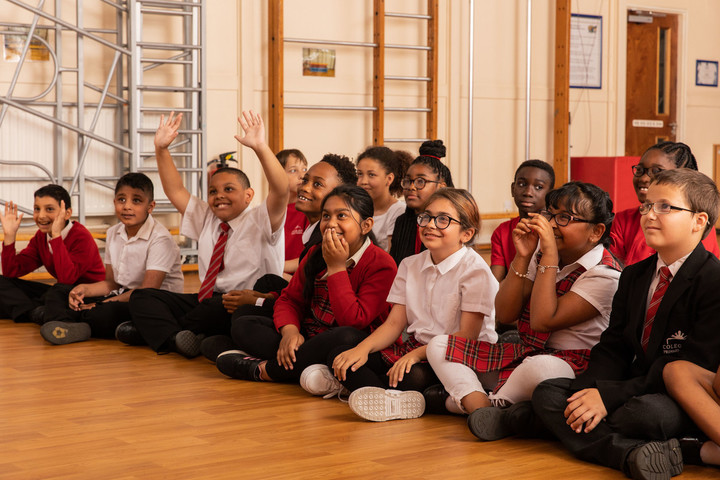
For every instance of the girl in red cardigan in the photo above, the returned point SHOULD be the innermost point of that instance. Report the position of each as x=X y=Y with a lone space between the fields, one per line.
x=342 y=301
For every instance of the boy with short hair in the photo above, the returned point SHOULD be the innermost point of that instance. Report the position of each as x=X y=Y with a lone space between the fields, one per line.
x=295 y=165
x=236 y=244
x=139 y=253
x=618 y=413
x=64 y=247
x=533 y=180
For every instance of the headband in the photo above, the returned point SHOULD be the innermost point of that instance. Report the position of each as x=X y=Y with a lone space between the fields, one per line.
x=431 y=156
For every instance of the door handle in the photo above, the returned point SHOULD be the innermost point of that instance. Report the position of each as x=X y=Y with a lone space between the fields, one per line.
x=673 y=127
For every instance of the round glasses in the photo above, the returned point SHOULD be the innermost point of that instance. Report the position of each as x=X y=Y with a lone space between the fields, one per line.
x=441 y=221
x=418 y=182
x=639 y=171
x=562 y=219
x=661 y=208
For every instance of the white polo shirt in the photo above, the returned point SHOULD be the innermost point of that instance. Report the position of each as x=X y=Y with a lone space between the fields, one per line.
x=252 y=248
x=435 y=295
x=152 y=248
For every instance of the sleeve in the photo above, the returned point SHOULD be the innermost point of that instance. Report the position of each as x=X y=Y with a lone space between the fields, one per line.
x=194 y=218
x=597 y=286
x=163 y=253
x=262 y=219
x=291 y=305
x=359 y=309
x=478 y=288
x=74 y=255
x=398 y=293
x=497 y=254
x=18 y=264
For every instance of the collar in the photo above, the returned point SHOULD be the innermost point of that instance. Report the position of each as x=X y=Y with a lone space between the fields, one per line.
x=674 y=267
x=308 y=232
x=447 y=264
x=588 y=261
x=64 y=232
x=143 y=233
x=235 y=222
x=352 y=261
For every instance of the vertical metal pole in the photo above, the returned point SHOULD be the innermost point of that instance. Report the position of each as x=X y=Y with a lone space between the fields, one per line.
x=80 y=111
x=527 y=79
x=120 y=124
x=203 y=102
x=57 y=131
x=134 y=72
x=471 y=72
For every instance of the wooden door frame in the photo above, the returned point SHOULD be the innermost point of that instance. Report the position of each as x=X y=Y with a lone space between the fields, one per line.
x=621 y=64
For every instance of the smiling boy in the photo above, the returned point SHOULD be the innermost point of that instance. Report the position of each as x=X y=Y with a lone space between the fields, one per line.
x=65 y=248
x=618 y=413
x=139 y=253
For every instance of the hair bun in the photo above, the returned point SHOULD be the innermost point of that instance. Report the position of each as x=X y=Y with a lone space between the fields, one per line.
x=433 y=148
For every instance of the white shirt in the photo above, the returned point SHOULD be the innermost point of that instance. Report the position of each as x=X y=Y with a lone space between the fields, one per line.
x=309 y=231
x=252 y=248
x=385 y=223
x=152 y=248
x=673 y=267
x=596 y=286
x=63 y=234
x=435 y=295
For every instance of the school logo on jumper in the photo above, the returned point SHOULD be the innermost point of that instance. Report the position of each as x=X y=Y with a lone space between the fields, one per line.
x=674 y=343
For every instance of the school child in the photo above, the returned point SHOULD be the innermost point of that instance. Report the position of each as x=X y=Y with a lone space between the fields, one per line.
x=533 y=179
x=337 y=296
x=295 y=165
x=236 y=244
x=666 y=308
x=446 y=289
x=64 y=247
x=424 y=177
x=380 y=172
x=560 y=291
x=628 y=242
x=139 y=253
x=697 y=390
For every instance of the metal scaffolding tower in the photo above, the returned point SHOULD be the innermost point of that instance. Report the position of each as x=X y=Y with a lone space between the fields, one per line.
x=147 y=72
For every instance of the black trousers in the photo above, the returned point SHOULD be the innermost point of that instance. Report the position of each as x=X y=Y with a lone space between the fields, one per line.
x=103 y=318
x=374 y=373
x=642 y=419
x=257 y=336
x=160 y=314
x=18 y=297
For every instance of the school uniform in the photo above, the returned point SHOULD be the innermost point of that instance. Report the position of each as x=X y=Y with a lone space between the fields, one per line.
x=628 y=240
x=628 y=377
x=405 y=237
x=295 y=224
x=434 y=296
x=71 y=258
x=252 y=250
x=465 y=366
x=345 y=307
x=502 y=248
x=384 y=224
x=151 y=248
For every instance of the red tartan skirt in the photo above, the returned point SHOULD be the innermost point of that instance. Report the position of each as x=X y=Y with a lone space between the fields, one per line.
x=505 y=357
x=394 y=352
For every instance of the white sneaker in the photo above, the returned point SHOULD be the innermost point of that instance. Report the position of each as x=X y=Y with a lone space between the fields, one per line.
x=380 y=405
x=318 y=380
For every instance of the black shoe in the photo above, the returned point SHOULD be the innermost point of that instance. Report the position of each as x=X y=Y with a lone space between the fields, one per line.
x=213 y=346
x=435 y=396
x=62 y=333
x=655 y=461
x=128 y=334
x=493 y=423
x=187 y=343
x=690 y=448
x=238 y=364
x=37 y=315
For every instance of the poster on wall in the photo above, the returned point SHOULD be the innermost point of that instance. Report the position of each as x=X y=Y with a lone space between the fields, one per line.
x=318 y=62
x=706 y=73
x=585 y=51
x=13 y=44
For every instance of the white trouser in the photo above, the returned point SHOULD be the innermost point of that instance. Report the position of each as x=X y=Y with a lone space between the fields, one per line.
x=460 y=380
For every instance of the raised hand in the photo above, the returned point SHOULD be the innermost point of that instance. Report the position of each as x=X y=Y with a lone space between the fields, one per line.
x=168 y=130
x=10 y=221
x=59 y=222
x=253 y=129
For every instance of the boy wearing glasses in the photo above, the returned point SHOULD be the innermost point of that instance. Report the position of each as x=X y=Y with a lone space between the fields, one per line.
x=618 y=413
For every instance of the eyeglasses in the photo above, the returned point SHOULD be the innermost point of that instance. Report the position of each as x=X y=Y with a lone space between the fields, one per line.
x=418 y=182
x=661 y=208
x=441 y=221
x=562 y=219
x=639 y=171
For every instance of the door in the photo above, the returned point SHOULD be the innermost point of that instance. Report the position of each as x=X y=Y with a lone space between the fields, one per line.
x=651 y=88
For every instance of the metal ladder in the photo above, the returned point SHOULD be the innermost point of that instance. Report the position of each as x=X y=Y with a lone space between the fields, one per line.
x=378 y=109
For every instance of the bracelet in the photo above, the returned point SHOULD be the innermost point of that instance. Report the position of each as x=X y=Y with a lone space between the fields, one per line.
x=521 y=275
x=542 y=268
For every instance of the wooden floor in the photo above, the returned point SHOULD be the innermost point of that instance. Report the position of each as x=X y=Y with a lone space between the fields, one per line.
x=102 y=410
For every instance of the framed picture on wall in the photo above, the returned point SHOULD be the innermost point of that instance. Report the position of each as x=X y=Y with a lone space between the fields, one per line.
x=585 y=51
x=706 y=73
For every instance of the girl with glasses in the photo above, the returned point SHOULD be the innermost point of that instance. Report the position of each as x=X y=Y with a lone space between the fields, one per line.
x=559 y=291
x=447 y=289
x=424 y=177
x=628 y=242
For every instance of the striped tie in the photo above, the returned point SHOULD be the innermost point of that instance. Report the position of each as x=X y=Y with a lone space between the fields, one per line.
x=660 y=290
x=216 y=264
